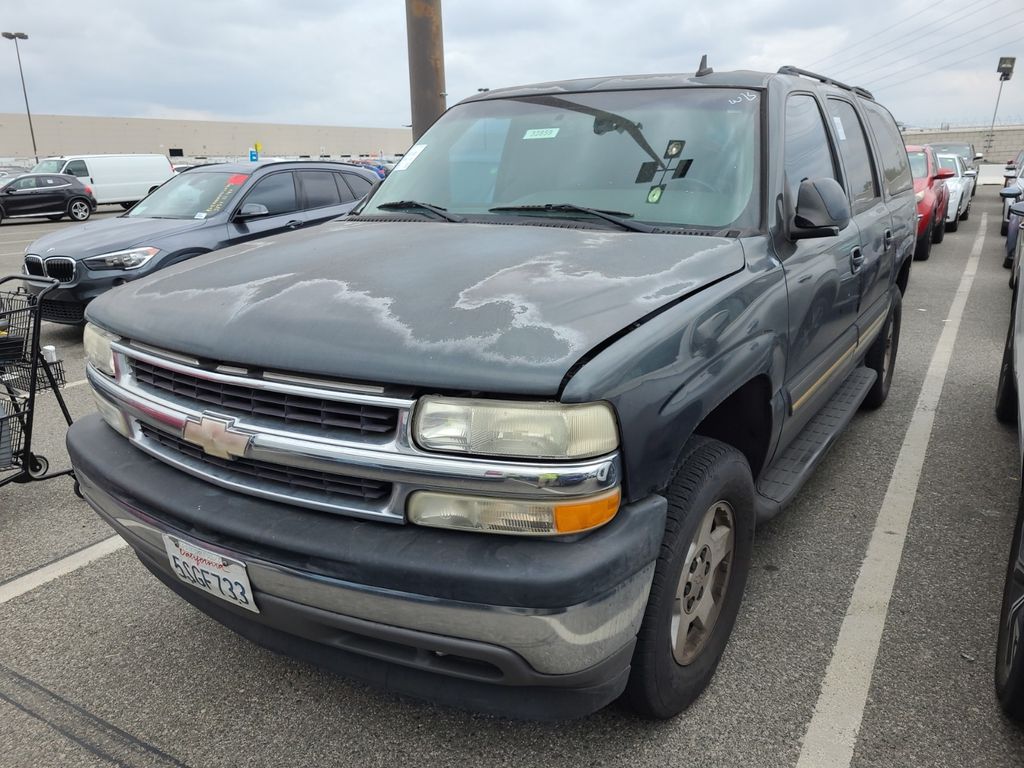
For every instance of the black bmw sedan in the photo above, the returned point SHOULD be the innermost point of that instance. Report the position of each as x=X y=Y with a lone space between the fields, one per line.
x=49 y=195
x=192 y=213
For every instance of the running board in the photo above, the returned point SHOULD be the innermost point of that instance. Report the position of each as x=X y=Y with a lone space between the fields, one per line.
x=780 y=482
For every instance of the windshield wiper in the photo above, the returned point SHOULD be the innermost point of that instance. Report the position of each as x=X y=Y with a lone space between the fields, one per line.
x=615 y=217
x=434 y=209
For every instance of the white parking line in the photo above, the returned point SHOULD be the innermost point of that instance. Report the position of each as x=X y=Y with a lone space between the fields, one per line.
x=832 y=733
x=73 y=384
x=65 y=565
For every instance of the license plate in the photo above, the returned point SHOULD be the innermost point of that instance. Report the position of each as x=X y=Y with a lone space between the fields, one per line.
x=211 y=572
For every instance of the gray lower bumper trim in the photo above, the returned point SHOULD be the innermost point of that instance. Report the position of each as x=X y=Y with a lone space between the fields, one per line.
x=551 y=641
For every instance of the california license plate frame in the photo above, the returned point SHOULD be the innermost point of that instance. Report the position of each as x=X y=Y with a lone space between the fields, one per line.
x=211 y=572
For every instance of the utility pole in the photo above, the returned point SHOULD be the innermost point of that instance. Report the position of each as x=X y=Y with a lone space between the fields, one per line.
x=426 y=63
x=16 y=36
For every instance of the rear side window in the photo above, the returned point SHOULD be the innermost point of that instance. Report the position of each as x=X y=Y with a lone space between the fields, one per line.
x=807 y=154
x=319 y=188
x=892 y=152
x=360 y=186
x=853 y=148
x=277 y=192
x=77 y=168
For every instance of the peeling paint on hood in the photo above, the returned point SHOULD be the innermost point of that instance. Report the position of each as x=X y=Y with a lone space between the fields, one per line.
x=479 y=307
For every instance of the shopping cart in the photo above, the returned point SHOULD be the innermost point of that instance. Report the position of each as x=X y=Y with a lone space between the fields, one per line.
x=25 y=371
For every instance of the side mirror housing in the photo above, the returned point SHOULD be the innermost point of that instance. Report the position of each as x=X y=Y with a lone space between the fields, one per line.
x=1012 y=192
x=822 y=210
x=252 y=211
x=1017 y=209
x=972 y=173
x=945 y=173
x=979 y=156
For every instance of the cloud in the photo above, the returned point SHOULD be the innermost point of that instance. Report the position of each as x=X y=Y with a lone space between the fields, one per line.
x=344 y=63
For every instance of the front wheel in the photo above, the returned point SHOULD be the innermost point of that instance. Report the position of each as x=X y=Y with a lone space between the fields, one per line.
x=1009 y=672
x=939 y=232
x=881 y=357
x=698 y=579
x=967 y=211
x=1006 y=389
x=923 y=247
x=79 y=210
x=1004 y=228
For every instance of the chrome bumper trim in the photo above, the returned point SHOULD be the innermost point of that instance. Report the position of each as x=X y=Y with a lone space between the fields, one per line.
x=552 y=641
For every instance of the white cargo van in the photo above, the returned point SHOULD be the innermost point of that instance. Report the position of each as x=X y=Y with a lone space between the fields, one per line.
x=124 y=179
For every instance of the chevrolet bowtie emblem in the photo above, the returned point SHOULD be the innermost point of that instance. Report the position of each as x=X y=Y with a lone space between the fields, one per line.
x=217 y=437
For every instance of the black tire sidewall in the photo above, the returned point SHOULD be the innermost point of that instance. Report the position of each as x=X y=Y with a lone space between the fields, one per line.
x=709 y=471
x=1006 y=389
x=923 y=246
x=1010 y=690
x=875 y=357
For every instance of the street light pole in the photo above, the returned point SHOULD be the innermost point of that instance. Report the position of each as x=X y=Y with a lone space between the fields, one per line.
x=1005 y=70
x=16 y=36
x=426 y=63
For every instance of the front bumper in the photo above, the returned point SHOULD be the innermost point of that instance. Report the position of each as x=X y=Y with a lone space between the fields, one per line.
x=467 y=619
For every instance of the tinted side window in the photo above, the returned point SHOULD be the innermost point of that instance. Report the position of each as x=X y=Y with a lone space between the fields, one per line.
x=892 y=152
x=343 y=187
x=276 y=191
x=360 y=186
x=28 y=182
x=853 y=148
x=77 y=168
x=808 y=155
x=319 y=188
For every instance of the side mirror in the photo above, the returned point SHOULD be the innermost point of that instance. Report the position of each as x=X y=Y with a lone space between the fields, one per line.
x=973 y=174
x=822 y=209
x=979 y=156
x=1017 y=209
x=251 y=211
x=1010 y=165
x=1012 y=192
x=945 y=173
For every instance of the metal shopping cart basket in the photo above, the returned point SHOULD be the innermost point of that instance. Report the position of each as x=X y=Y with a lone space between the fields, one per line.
x=25 y=372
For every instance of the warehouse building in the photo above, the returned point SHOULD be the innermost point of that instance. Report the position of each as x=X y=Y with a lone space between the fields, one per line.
x=189 y=139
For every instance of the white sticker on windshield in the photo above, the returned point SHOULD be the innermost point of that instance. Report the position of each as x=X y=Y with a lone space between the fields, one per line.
x=839 y=127
x=200 y=215
x=541 y=133
x=411 y=155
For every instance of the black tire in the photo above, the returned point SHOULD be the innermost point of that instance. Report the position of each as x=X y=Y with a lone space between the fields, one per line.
x=939 y=232
x=953 y=226
x=1006 y=389
x=79 y=209
x=881 y=357
x=55 y=218
x=1009 y=671
x=709 y=474
x=967 y=211
x=1004 y=228
x=923 y=247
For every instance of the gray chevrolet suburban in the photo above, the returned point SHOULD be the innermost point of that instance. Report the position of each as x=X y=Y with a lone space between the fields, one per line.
x=501 y=437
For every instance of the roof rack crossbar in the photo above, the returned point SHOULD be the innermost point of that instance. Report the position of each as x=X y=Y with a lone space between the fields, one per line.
x=790 y=70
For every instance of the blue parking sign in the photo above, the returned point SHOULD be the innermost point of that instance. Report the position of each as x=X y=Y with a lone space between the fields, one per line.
x=253 y=155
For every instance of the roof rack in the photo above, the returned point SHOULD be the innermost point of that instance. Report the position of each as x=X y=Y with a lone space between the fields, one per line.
x=789 y=70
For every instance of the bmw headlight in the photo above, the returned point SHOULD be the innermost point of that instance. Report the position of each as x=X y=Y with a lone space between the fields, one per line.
x=131 y=258
x=515 y=429
x=97 y=348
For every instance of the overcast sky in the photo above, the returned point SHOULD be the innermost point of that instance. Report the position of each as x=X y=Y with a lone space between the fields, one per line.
x=343 y=62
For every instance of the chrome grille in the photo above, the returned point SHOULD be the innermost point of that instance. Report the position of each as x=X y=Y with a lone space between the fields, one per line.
x=329 y=416
x=34 y=266
x=331 y=486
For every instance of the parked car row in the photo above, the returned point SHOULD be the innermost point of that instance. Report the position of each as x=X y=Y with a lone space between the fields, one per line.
x=944 y=184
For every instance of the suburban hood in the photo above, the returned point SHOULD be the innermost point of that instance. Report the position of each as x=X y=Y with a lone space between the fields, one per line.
x=104 y=235
x=454 y=306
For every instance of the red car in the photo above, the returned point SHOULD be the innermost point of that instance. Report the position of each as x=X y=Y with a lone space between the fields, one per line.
x=932 y=198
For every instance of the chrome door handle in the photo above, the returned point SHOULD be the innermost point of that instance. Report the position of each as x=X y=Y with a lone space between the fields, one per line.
x=856 y=259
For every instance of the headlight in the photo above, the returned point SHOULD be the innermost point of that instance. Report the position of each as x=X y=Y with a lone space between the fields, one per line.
x=919 y=196
x=97 y=348
x=132 y=258
x=515 y=516
x=511 y=428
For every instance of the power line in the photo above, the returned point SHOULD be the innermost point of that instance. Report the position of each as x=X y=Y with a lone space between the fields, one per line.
x=890 y=64
x=945 y=66
x=902 y=43
x=874 y=35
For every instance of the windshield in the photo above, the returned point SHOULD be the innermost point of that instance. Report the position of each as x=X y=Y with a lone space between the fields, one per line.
x=48 y=166
x=192 y=195
x=918 y=165
x=948 y=161
x=684 y=157
x=964 y=150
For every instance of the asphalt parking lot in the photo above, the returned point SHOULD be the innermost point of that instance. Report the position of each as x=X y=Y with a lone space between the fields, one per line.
x=106 y=666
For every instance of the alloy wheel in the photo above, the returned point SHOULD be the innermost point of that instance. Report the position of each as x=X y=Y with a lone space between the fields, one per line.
x=79 y=210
